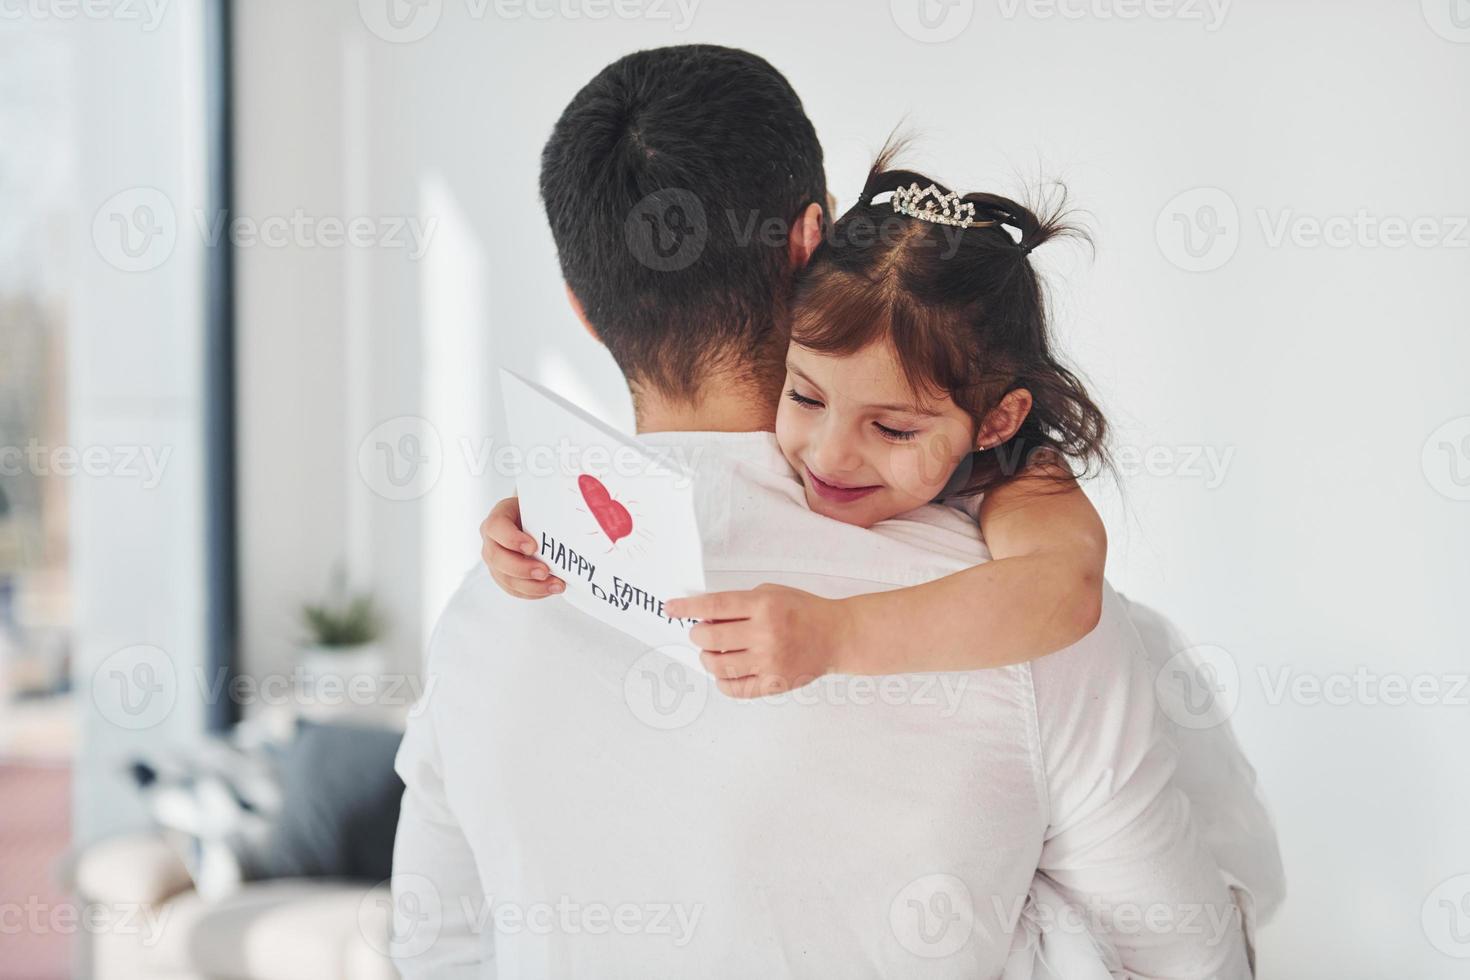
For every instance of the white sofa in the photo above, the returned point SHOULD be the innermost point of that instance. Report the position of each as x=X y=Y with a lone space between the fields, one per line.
x=289 y=929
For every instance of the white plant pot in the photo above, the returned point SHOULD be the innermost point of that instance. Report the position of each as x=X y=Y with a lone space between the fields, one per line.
x=342 y=678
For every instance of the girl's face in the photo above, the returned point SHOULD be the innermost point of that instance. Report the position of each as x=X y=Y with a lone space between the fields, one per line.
x=864 y=447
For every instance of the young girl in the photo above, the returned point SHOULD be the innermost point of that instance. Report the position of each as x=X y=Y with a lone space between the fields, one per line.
x=919 y=369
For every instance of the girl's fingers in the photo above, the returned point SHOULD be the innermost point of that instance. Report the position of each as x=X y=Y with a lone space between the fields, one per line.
x=720 y=637
x=528 y=589
x=512 y=565
x=711 y=605
x=745 y=687
x=508 y=534
x=725 y=666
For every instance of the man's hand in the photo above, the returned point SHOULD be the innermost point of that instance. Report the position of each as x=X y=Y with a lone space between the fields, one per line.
x=505 y=548
x=765 y=640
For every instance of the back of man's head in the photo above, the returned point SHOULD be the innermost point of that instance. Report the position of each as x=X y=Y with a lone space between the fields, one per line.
x=661 y=180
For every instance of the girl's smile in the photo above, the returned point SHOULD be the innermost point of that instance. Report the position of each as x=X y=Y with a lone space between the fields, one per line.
x=864 y=448
x=836 y=492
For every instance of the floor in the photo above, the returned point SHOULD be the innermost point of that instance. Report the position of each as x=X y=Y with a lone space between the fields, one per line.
x=37 y=918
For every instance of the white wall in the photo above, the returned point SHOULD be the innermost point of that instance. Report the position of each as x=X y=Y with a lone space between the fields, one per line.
x=1331 y=541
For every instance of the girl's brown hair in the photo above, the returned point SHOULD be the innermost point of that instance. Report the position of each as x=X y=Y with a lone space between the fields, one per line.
x=964 y=311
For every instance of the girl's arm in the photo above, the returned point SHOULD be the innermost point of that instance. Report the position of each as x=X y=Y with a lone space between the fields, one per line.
x=1041 y=592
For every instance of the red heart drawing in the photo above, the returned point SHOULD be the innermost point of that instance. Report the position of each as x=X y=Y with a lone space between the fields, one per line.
x=611 y=516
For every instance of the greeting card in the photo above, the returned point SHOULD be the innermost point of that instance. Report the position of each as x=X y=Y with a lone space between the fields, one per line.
x=614 y=519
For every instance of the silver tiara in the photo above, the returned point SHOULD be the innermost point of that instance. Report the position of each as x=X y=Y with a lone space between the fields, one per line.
x=932 y=204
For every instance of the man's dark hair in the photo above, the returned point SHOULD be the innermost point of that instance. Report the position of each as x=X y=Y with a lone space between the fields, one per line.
x=661 y=181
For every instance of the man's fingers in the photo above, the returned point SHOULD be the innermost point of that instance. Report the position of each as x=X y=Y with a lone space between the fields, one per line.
x=720 y=637
x=711 y=605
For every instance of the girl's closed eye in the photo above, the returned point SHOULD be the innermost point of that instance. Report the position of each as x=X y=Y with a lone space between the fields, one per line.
x=802 y=400
x=898 y=435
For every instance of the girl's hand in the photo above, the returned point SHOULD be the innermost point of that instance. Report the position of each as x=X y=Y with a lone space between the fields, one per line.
x=504 y=547
x=765 y=640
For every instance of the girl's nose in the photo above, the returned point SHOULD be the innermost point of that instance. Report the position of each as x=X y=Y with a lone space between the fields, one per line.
x=835 y=458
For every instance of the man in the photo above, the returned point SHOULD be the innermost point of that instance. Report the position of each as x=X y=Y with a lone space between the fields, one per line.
x=579 y=805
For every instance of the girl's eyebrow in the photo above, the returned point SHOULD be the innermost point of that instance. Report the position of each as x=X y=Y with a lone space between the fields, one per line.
x=907 y=409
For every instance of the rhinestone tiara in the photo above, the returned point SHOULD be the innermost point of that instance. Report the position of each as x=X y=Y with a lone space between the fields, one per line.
x=932 y=204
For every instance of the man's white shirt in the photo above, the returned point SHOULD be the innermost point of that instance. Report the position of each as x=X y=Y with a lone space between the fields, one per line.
x=577 y=804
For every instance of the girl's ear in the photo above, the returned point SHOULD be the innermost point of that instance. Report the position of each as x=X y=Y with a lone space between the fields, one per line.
x=1004 y=419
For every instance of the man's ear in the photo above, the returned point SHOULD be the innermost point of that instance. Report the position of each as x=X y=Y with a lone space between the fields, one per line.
x=1004 y=419
x=581 y=314
x=805 y=236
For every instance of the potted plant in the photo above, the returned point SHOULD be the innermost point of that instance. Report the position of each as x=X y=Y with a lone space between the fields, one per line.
x=343 y=633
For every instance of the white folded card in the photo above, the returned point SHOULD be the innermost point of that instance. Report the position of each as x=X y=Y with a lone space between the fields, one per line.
x=613 y=518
